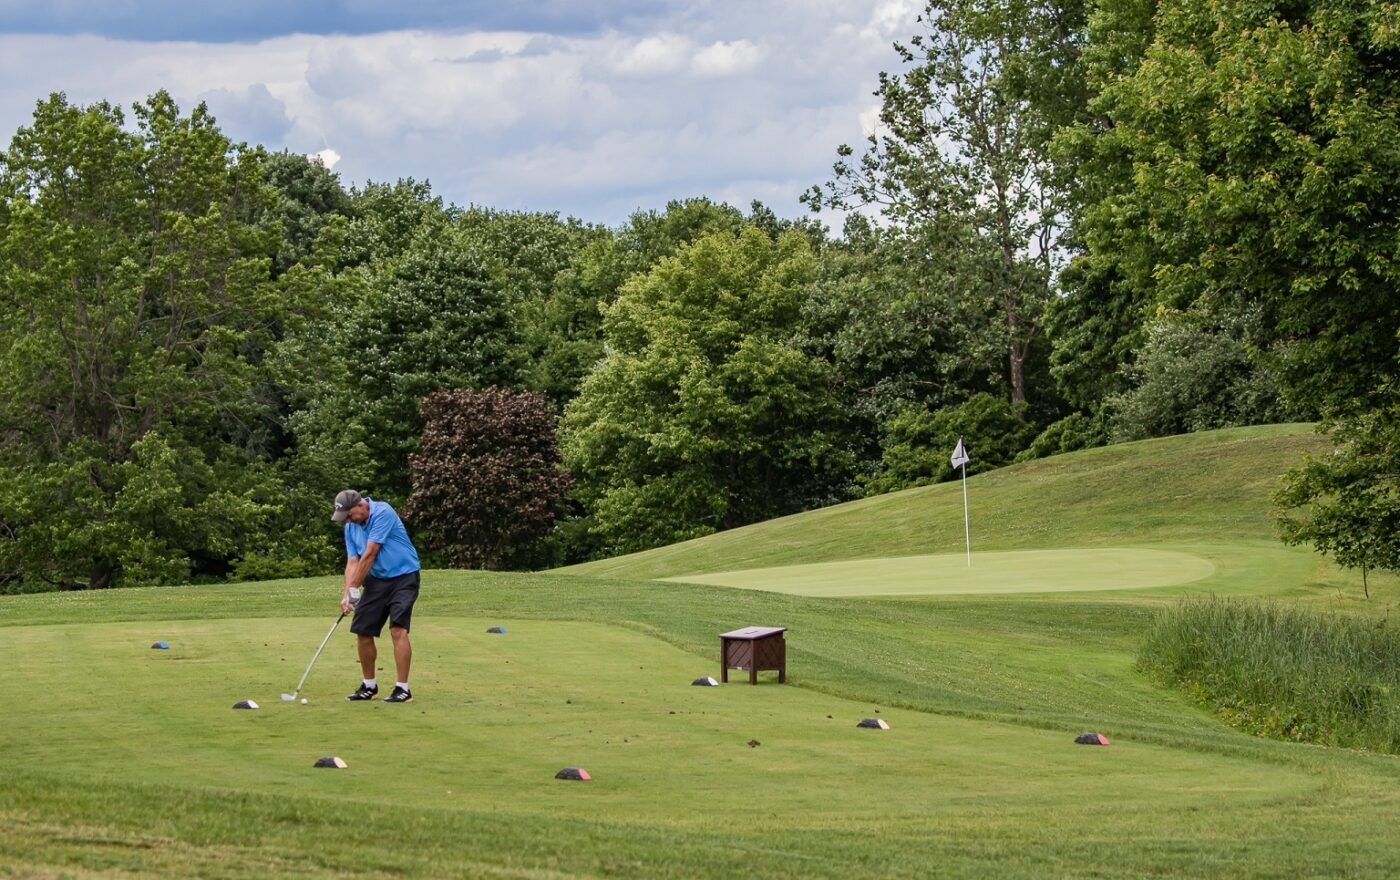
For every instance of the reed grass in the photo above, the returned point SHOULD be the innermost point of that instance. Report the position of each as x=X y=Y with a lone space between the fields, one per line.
x=1283 y=671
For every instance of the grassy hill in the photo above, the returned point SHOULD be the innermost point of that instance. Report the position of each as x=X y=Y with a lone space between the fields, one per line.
x=128 y=762
x=1211 y=487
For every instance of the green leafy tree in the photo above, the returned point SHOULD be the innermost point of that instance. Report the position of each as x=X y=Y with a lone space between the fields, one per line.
x=705 y=414
x=389 y=217
x=1095 y=329
x=1347 y=502
x=1099 y=319
x=1073 y=432
x=919 y=443
x=889 y=332
x=1244 y=161
x=428 y=296
x=567 y=273
x=487 y=486
x=138 y=443
x=886 y=325
x=309 y=194
x=429 y=317
x=960 y=165
x=649 y=236
x=534 y=258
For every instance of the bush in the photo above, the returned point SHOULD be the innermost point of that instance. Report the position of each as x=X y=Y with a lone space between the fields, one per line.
x=1073 y=432
x=918 y=443
x=1283 y=672
x=486 y=482
x=1192 y=376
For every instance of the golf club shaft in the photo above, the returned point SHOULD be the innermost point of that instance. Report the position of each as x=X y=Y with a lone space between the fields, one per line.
x=317 y=655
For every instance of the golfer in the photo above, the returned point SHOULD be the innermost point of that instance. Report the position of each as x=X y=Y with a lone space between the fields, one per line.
x=380 y=558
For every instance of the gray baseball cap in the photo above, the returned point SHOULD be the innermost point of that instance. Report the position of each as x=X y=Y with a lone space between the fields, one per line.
x=343 y=503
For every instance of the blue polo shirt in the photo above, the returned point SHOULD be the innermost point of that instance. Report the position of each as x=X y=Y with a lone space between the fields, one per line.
x=396 y=552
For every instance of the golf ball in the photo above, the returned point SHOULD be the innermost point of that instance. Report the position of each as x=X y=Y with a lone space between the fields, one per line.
x=303 y=701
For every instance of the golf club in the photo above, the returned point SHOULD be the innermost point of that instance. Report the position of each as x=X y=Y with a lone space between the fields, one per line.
x=291 y=698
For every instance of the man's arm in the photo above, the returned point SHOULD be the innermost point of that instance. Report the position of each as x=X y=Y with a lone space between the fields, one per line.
x=356 y=570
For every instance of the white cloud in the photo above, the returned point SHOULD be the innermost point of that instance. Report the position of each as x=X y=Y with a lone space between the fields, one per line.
x=893 y=19
x=870 y=119
x=734 y=101
x=657 y=55
x=253 y=112
x=327 y=158
x=727 y=59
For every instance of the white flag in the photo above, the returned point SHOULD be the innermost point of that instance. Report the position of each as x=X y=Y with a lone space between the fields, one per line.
x=960 y=455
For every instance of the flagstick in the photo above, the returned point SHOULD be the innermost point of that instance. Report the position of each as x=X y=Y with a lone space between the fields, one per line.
x=967 y=529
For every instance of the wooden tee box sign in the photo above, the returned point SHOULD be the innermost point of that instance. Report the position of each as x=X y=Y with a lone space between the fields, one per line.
x=755 y=648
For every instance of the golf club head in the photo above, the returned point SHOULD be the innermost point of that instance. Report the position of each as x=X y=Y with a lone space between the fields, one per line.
x=291 y=698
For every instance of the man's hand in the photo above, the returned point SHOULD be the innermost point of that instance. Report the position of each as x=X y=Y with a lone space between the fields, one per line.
x=349 y=599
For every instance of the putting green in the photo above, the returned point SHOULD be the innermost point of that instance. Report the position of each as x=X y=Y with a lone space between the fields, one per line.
x=1027 y=571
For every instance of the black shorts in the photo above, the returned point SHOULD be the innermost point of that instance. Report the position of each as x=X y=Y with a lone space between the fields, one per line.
x=384 y=599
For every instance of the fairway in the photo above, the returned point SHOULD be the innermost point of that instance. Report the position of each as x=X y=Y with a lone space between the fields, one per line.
x=499 y=715
x=136 y=764
x=1026 y=571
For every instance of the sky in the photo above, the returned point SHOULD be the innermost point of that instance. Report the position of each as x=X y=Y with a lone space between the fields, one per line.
x=589 y=109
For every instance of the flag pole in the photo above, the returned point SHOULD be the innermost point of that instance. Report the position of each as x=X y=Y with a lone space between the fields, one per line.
x=967 y=529
x=959 y=459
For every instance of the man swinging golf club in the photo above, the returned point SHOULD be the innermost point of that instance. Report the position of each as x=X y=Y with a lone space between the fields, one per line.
x=380 y=558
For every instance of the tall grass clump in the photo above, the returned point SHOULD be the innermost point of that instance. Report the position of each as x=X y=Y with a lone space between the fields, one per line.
x=1283 y=672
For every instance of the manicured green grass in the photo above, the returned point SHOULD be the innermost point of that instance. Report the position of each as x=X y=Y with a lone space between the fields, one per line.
x=500 y=715
x=139 y=765
x=134 y=764
x=1023 y=571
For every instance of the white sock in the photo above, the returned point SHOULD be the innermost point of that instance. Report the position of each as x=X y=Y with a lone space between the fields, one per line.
x=371 y=682
x=402 y=684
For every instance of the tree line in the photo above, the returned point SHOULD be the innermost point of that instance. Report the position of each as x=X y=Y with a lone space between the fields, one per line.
x=1077 y=223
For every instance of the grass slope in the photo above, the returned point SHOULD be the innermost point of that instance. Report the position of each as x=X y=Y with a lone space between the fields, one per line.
x=135 y=765
x=1207 y=488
